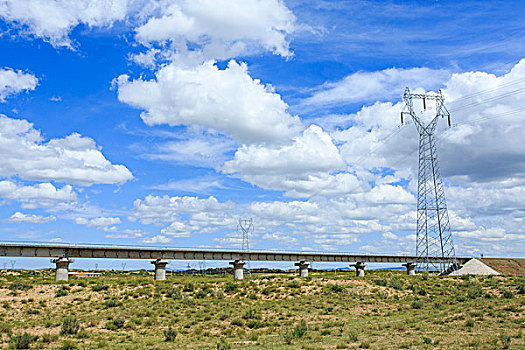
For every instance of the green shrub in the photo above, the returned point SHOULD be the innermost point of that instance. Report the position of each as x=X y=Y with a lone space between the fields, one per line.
x=293 y=284
x=507 y=294
x=118 y=322
x=300 y=329
x=353 y=336
x=223 y=345
x=70 y=325
x=336 y=288
x=188 y=287
x=22 y=341
x=505 y=341
x=460 y=298
x=230 y=287
x=396 y=283
x=61 y=292
x=170 y=334
x=111 y=303
x=521 y=289
x=474 y=292
x=68 y=345
x=99 y=287
x=417 y=304
x=381 y=282
x=20 y=286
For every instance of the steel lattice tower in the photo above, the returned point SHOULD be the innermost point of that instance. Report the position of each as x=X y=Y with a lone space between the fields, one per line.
x=246 y=227
x=433 y=236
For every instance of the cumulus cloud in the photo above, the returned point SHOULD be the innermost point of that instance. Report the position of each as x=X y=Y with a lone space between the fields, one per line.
x=222 y=28
x=155 y=209
x=39 y=195
x=13 y=82
x=302 y=168
x=376 y=86
x=227 y=100
x=19 y=217
x=98 y=222
x=74 y=159
x=159 y=239
x=53 y=20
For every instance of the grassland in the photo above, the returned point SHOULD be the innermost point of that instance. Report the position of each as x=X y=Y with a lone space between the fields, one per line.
x=384 y=310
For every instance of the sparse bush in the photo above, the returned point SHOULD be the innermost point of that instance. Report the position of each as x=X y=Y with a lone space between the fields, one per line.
x=118 y=322
x=353 y=336
x=223 y=345
x=427 y=340
x=61 y=292
x=474 y=292
x=469 y=323
x=293 y=284
x=201 y=294
x=336 y=288
x=505 y=341
x=461 y=298
x=170 y=334
x=381 y=282
x=70 y=325
x=396 y=283
x=300 y=329
x=19 y=286
x=417 y=304
x=507 y=294
x=68 y=345
x=230 y=287
x=188 y=287
x=111 y=303
x=99 y=287
x=22 y=341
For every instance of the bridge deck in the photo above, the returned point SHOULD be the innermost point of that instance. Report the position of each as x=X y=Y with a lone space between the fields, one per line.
x=137 y=252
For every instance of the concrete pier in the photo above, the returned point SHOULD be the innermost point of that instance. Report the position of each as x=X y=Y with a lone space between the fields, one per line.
x=62 y=268
x=359 y=268
x=238 y=269
x=160 y=269
x=303 y=268
x=411 y=268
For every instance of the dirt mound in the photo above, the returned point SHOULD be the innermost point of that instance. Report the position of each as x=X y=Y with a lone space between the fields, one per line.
x=507 y=266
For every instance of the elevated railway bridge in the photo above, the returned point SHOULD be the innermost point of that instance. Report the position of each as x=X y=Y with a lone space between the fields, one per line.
x=159 y=256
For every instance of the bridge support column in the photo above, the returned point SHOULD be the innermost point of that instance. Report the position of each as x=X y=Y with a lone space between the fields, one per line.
x=62 y=268
x=160 y=269
x=411 y=268
x=303 y=268
x=359 y=269
x=238 y=269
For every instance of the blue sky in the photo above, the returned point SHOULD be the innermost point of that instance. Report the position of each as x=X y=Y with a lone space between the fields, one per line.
x=164 y=122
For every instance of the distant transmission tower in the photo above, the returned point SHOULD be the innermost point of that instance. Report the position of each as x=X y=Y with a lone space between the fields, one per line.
x=246 y=228
x=434 y=247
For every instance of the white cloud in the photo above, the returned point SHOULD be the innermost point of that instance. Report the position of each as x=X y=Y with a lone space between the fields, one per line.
x=302 y=168
x=31 y=218
x=53 y=20
x=102 y=222
x=39 y=195
x=154 y=209
x=204 y=151
x=222 y=28
x=74 y=159
x=374 y=86
x=13 y=82
x=227 y=100
x=177 y=229
x=159 y=239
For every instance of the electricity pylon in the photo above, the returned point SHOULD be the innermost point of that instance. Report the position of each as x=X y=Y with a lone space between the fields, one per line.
x=434 y=246
x=246 y=227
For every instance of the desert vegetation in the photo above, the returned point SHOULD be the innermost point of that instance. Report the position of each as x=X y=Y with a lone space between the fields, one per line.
x=383 y=310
